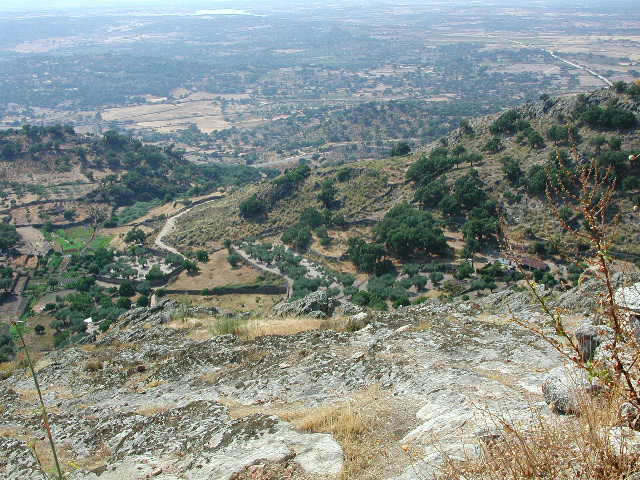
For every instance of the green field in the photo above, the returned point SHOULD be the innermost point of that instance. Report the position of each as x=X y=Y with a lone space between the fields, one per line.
x=77 y=238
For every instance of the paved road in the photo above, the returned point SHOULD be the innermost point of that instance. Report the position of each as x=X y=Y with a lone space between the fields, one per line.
x=572 y=64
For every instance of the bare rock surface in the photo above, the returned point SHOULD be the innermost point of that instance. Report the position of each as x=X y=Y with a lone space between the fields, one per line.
x=151 y=401
x=315 y=303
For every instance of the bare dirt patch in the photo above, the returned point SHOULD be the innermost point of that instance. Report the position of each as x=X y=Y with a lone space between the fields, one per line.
x=216 y=273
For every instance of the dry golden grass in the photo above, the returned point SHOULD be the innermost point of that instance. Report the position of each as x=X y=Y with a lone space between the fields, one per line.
x=203 y=327
x=281 y=326
x=7 y=369
x=154 y=410
x=553 y=447
x=360 y=425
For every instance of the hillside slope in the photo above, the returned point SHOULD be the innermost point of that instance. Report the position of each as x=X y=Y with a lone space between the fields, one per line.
x=60 y=171
x=366 y=190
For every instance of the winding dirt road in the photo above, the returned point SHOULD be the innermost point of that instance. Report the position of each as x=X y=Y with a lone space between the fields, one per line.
x=170 y=225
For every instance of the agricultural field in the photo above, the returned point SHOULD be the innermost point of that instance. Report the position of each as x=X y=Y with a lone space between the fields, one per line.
x=320 y=88
x=76 y=239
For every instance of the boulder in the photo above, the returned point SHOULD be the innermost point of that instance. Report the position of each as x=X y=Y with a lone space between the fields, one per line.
x=564 y=389
x=318 y=301
x=629 y=297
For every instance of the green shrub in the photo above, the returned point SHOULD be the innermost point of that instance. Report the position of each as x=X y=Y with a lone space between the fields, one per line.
x=253 y=208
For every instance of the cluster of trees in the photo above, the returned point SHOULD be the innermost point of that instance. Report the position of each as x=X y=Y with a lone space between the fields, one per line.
x=32 y=139
x=406 y=231
x=253 y=208
x=90 y=301
x=152 y=172
x=400 y=149
x=510 y=123
x=299 y=235
x=7 y=345
x=6 y=280
x=608 y=118
x=289 y=182
x=136 y=236
x=631 y=89
x=8 y=236
x=464 y=198
x=290 y=265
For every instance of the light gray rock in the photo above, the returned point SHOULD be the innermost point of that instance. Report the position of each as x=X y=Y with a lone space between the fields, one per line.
x=348 y=308
x=629 y=297
x=565 y=388
x=17 y=461
x=168 y=417
x=318 y=301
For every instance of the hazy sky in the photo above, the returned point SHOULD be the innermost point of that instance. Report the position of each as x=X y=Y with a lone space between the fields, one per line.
x=46 y=4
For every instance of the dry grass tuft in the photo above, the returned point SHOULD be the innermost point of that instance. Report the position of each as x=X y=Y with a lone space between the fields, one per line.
x=93 y=366
x=553 y=447
x=154 y=410
x=360 y=425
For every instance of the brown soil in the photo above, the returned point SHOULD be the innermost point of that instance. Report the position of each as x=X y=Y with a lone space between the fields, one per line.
x=216 y=273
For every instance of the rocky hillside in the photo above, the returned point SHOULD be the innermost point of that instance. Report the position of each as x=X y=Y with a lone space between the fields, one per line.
x=377 y=395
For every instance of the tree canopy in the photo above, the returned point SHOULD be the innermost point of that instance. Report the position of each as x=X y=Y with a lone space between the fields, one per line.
x=405 y=231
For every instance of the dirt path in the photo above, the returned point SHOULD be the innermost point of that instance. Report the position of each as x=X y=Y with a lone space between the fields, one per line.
x=263 y=267
x=170 y=225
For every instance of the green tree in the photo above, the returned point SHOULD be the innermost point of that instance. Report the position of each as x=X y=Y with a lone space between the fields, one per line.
x=405 y=230
x=135 y=236
x=465 y=270
x=127 y=289
x=512 y=171
x=253 y=208
x=365 y=256
x=8 y=236
x=234 y=259
x=327 y=194
x=431 y=194
x=428 y=168
x=155 y=274
x=400 y=149
x=202 y=256
x=298 y=236
x=494 y=145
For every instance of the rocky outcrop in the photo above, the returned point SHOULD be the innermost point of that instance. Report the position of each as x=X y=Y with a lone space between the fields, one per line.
x=152 y=401
x=590 y=336
x=202 y=442
x=317 y=304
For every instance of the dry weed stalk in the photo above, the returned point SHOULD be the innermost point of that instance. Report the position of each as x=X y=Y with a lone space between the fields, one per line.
x=43 y=409
x=559 y=448
x=590 y=189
